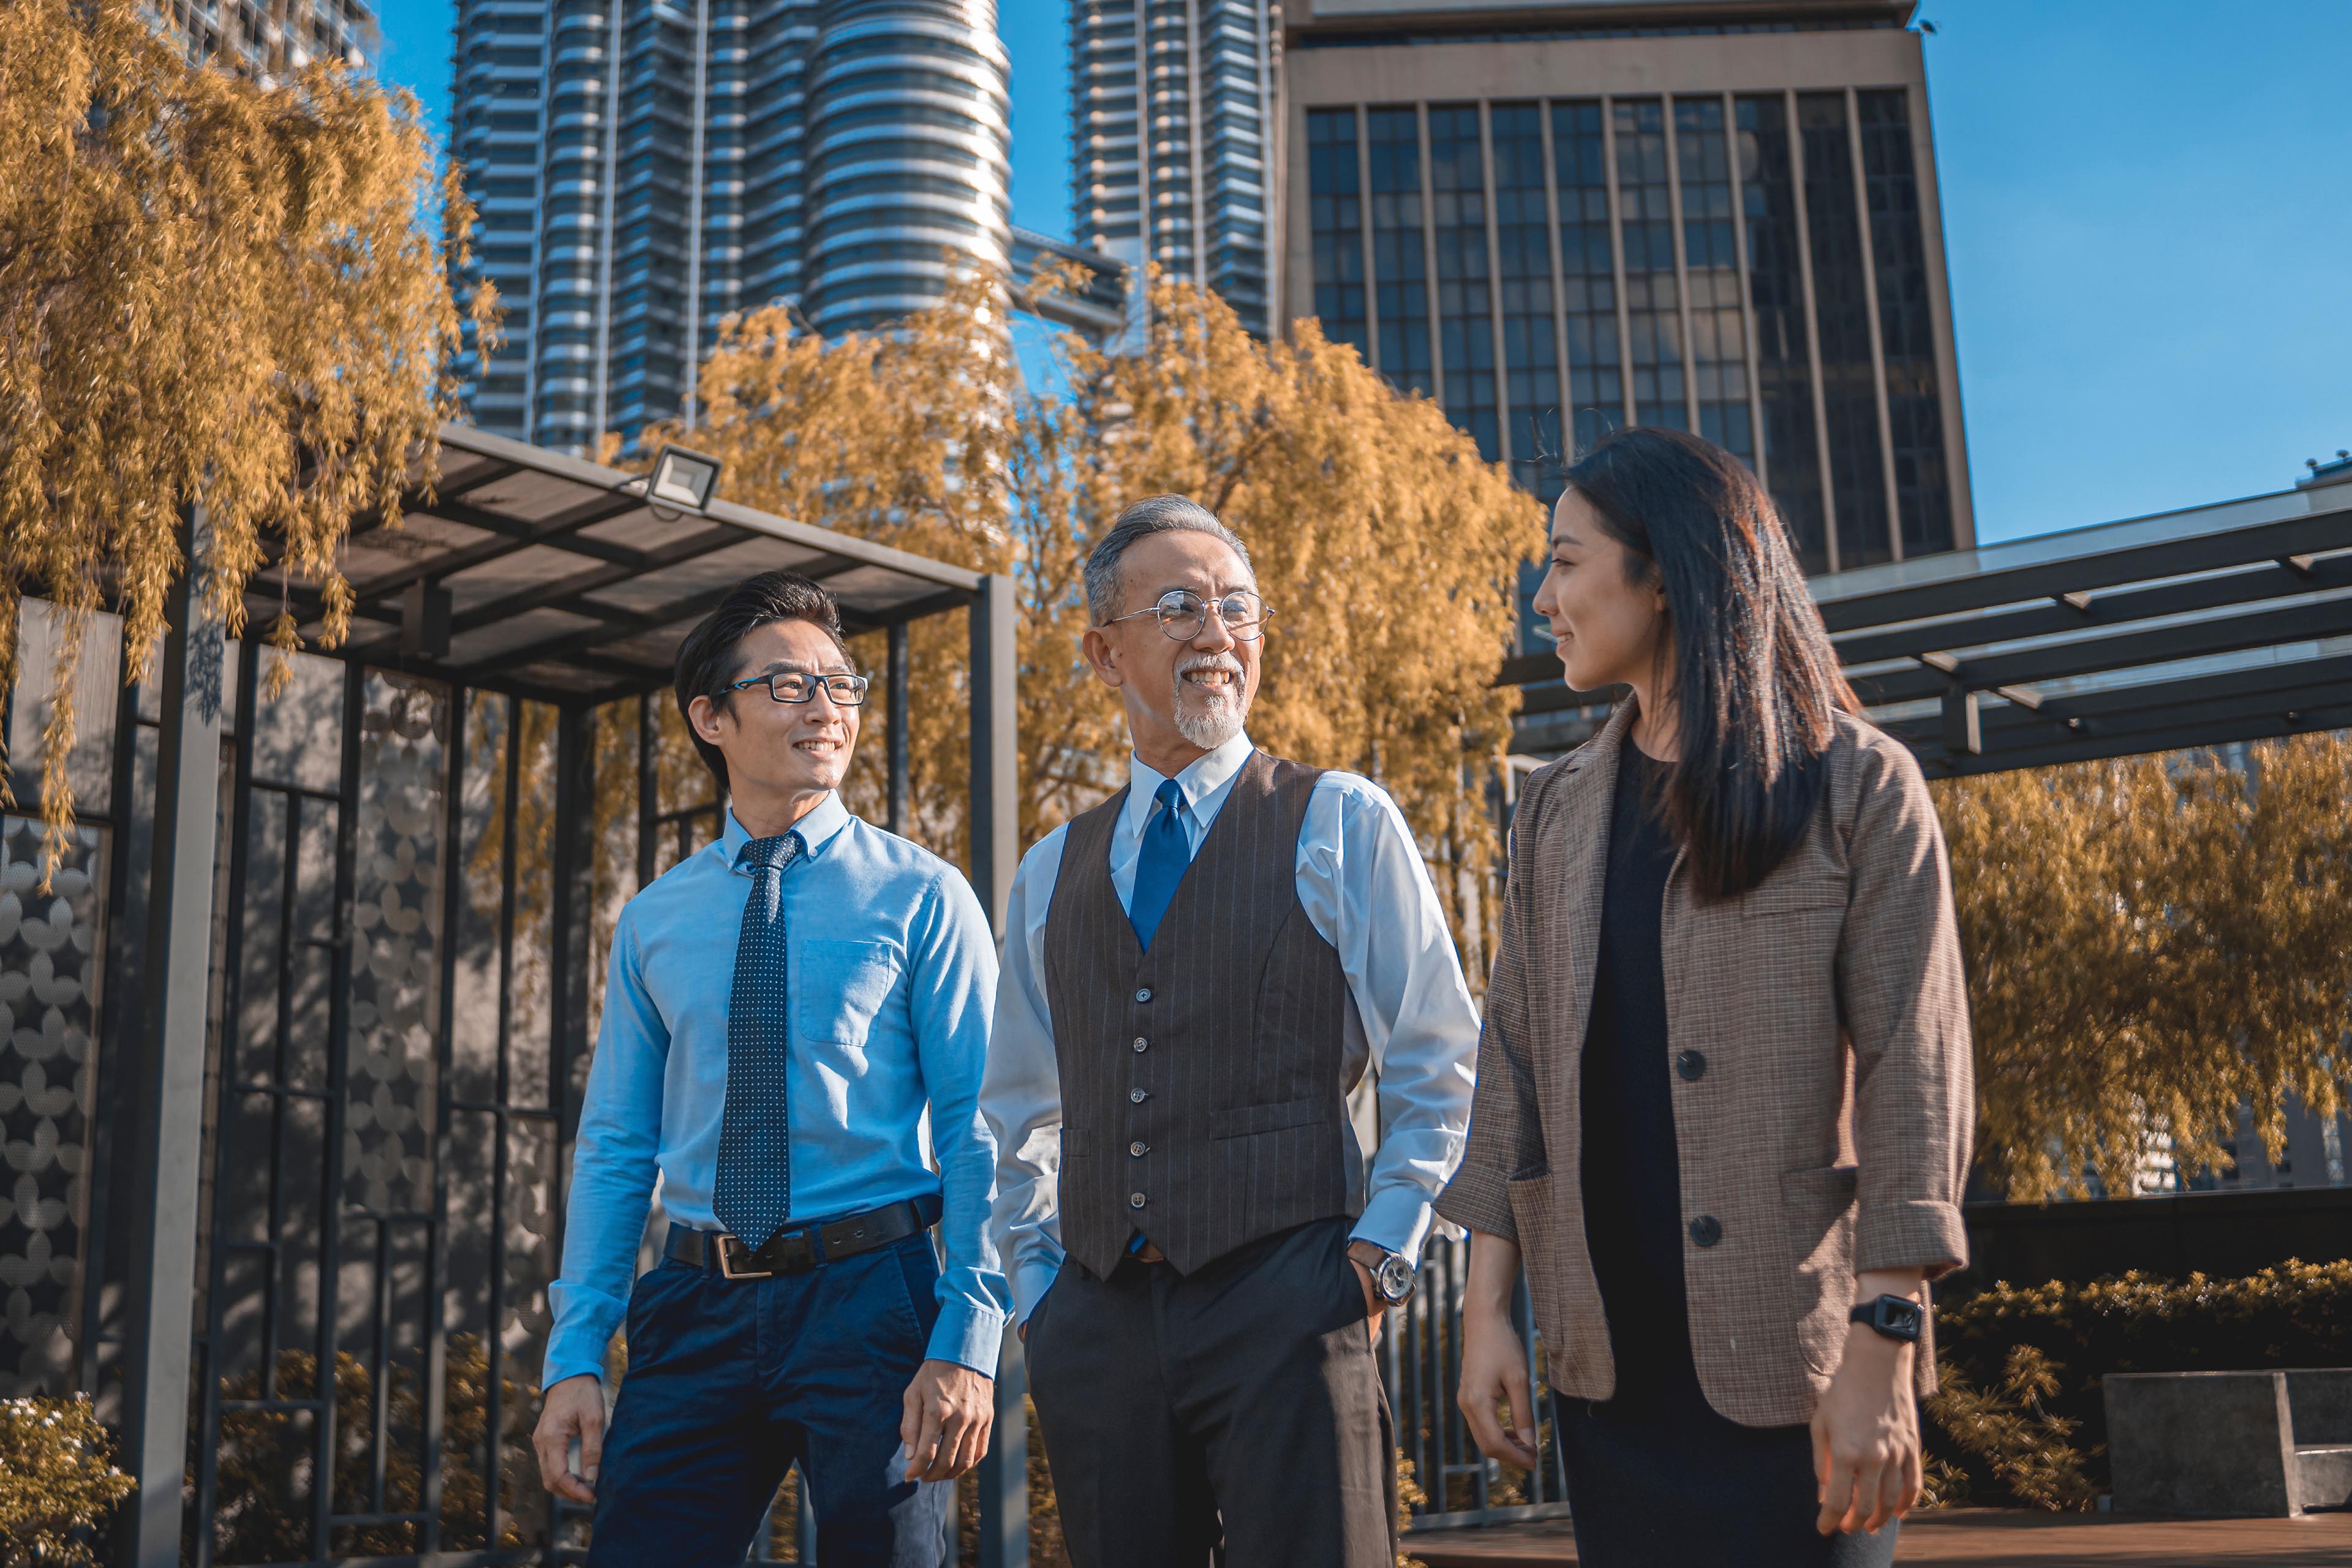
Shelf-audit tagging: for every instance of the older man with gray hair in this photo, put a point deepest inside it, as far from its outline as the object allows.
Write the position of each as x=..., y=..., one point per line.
x=1197, y=973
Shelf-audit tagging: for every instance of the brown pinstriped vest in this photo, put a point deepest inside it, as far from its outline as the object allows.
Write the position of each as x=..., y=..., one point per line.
x=1203, y=1093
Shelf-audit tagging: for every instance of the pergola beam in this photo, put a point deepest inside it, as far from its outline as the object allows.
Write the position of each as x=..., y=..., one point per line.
x=624, y=626
x=2124, y=650
x=2310, y=533
x=2271, y=581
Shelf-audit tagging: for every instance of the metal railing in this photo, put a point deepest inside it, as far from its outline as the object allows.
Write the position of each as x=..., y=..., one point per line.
x=1420, y=1360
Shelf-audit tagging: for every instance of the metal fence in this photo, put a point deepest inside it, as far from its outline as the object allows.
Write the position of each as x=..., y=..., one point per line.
x=1421, y=1362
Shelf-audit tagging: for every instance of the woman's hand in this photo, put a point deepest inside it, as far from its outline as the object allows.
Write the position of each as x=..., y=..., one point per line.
x=1866, y=1428
x=1494, y=1362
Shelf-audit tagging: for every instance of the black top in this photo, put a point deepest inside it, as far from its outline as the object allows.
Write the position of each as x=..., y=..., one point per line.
x=1632, y=1180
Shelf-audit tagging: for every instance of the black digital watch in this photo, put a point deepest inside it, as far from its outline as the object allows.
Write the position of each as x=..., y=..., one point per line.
x=1896, y=1317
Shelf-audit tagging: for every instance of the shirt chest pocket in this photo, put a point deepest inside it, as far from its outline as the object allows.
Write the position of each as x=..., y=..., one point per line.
x=839, y=988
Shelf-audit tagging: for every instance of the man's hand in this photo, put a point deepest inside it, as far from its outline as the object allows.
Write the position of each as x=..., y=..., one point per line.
x=949, y=1410
x=1866, y=1428
x=574, y=1408
x=1374, y=1307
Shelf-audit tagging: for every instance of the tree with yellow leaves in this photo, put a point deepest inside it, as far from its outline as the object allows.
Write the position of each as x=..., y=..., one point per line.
x=2152, y=942
x=1387, y=549
x=211, y=295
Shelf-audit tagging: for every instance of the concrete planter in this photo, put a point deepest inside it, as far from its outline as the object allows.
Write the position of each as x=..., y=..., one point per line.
x=2270, y=1444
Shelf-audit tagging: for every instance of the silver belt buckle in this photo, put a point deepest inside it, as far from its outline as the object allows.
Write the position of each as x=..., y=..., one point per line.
x=727, y=1247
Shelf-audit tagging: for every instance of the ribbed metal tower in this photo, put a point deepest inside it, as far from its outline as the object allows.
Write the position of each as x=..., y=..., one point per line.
x=645, y=167
x=908, y=156
x=1172, y=155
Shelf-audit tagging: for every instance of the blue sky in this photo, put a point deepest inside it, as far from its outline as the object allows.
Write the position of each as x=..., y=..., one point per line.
x=2145, y=214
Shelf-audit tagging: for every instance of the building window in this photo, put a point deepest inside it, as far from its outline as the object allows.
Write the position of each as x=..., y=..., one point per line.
x=1465, y=319
x=1335, y=209
x=1400, y=268
x=1849, y=381
x=1711, y=272
x=1654, y=317
x=1523, y=269
x=1775, y=291
x=1596, y=384
x=1906, y=326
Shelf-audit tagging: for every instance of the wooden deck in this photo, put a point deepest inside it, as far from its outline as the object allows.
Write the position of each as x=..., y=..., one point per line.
x=1987, y=1537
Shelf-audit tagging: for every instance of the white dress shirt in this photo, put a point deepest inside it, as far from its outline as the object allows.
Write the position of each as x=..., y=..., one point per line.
x=1365, y=886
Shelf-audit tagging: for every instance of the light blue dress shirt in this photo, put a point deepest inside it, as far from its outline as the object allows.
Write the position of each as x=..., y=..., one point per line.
x=892, y=978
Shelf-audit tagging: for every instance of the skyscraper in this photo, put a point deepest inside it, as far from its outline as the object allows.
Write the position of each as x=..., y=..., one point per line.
x=645, y=167
x=1170, y=110
x=1561, y=217
x=264, y=40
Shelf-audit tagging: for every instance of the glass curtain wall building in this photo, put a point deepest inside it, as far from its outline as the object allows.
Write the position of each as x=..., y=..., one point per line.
x=645, y=167
x=1716, y=217
x=1170, y=159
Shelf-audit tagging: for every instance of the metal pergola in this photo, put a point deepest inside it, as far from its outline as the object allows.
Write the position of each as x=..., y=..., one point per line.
x=2189, y=628
x=332, y=970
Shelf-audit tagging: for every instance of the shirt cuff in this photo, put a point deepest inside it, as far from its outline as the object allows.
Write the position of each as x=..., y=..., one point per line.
x=1397, y=1220
x=1031, y=1279
x=968, y=1336
x=573, y=1349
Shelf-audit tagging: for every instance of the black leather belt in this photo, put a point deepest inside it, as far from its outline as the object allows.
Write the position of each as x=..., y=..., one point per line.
x=799, y=1248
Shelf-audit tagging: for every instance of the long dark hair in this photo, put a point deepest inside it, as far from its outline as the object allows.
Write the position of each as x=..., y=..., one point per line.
x=1756, y=682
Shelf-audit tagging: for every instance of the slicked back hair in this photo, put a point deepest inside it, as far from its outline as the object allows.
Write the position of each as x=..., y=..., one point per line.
x=1155, y=514
x=711, y=657
x=1757, y=685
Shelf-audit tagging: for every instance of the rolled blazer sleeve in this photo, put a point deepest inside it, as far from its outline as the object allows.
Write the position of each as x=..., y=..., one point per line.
x=1506, y=1137
x=1903, y=999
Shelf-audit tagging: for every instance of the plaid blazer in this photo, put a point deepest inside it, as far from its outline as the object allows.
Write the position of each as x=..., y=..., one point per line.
x=1830, y=1131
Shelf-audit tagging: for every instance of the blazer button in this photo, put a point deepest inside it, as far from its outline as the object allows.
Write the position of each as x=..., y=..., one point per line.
x=1139, y=1148
x=1135, y=1200
x=1143, y=992
x=1142, y=1044
x=1139, y=1095
x=1692, y=1065
x=1706, y=1230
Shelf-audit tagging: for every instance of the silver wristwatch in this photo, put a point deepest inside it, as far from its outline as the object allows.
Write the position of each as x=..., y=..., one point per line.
x=1393, y=1273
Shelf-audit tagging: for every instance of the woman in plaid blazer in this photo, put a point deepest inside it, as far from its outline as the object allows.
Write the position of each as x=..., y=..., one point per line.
x=1724, y=1103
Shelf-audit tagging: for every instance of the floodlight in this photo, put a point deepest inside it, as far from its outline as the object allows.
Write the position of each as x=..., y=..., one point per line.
x=682, y=478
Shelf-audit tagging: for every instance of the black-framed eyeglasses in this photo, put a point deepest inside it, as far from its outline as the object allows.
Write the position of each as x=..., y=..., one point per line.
x=1182, y=613
x=795, y=685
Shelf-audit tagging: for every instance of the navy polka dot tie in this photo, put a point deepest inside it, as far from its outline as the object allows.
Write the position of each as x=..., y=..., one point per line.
x=753, y=1194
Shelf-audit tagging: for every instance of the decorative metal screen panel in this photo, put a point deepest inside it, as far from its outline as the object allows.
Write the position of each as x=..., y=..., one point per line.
x=50, y=963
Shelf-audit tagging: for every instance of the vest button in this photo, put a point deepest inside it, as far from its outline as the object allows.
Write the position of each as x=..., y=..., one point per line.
x=1139, y=1148
x=1706, y=1230
x=1135, y=1200
x=1143, y=992
x=1139, y=1095
x=1141, y=1043
x=1692, y=1065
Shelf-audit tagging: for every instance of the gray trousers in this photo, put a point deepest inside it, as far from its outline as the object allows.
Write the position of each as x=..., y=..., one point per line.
x=1240, y=1403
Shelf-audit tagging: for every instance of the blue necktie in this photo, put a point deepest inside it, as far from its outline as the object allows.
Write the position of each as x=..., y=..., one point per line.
x=752, y=1197
x=1160, y=865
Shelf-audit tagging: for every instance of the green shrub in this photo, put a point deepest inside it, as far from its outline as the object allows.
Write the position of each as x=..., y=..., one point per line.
x=2021, y=1418
x=57, y=1481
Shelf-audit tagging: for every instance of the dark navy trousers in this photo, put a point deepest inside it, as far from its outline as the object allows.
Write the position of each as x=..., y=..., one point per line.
x=729, y=1383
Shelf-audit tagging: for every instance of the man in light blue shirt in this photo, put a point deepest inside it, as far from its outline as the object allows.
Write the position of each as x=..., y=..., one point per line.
x=795, y=1022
